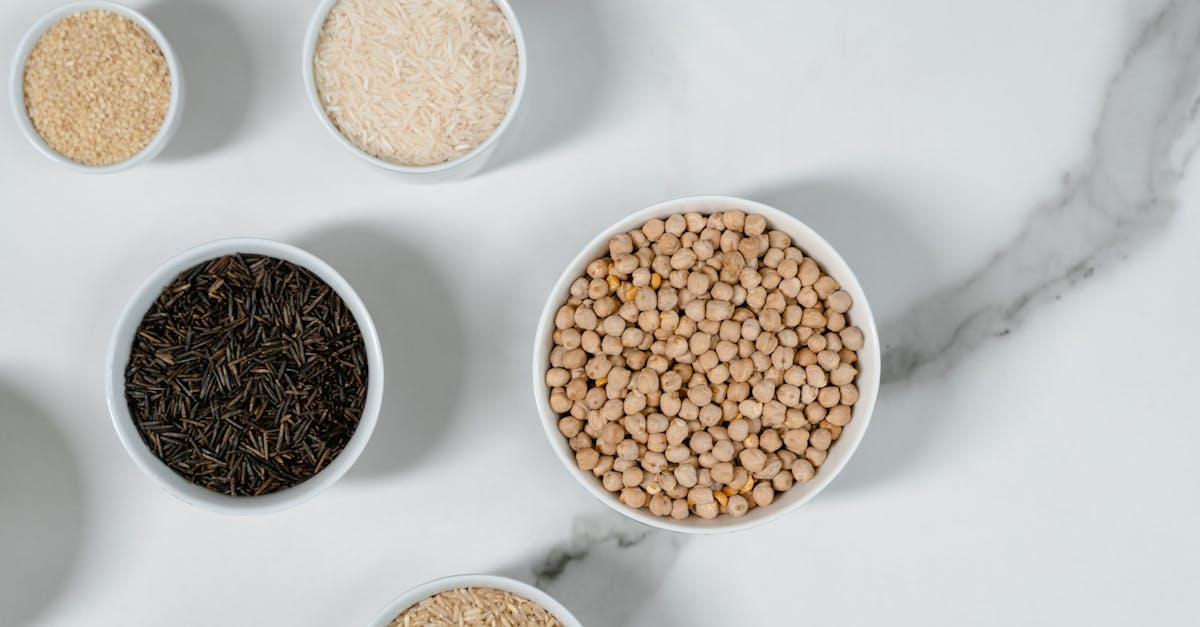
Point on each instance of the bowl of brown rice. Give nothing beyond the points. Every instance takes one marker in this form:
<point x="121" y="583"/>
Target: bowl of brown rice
<point x="424" y="89"/>
<point x="96" y="87"/>
<point x="472" y="600"/>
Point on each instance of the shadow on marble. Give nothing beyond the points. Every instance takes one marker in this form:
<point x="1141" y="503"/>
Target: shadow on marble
<point x="565" y="50"/>
<point x="218" y="74"/>
<point x="421" y="331"/>
<point x="607" y="570"/>
<point x="41" y="510"/>
<point x="889" y="255"/>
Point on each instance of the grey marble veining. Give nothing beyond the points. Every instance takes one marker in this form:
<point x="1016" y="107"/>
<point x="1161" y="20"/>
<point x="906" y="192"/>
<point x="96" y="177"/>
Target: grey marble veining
<point x="607" y="567"/>
<point x="1122" y="194"/>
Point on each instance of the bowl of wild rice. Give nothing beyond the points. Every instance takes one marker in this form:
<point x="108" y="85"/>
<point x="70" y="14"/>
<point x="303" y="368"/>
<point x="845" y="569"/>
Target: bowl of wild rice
<point x="244" y="376"/>
<point x="423" y="88"/>
<point x="96" y="87"/>
<point x="707" y="364"/>
<point x="474" y="601"/>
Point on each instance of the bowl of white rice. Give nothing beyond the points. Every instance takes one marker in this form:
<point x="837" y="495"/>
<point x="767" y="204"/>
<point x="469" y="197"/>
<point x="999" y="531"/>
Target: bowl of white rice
<point x="423" y="88"/>
<point x="475" y="600"/>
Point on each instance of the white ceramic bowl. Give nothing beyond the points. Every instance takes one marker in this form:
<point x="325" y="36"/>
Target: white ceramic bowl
<point x="17" y="86"/>
<point x="118" y="358"/>
<point x="430" y="588"/>
<point x="814" y="246"/>
<point x="459" y="168"/>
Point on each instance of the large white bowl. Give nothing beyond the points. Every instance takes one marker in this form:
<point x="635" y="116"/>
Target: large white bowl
<point x="859" y="315"/>
<point x="430" y="588"/>
<point x="463" y="166"/>
<point x="17" y="87"/>
<point x="118" y="358"/>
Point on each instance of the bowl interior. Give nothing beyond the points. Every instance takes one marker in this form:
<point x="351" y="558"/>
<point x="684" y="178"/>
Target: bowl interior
<point x="812" y="245"/>
<point x="17" y="86"/>
<point x="462" y="166"/>
<point x="118" y="358"/>
<point x="430" y="588"/>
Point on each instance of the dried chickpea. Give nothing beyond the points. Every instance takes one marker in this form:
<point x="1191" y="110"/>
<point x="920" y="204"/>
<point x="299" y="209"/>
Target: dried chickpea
<point x="704" y="350"/>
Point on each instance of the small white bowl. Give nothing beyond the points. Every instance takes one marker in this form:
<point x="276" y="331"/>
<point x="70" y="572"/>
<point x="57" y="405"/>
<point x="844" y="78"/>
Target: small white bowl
<point x="859" y="315"/>
<point x="118" y="358"/>
<point x="459" y="168"/>
<point x="17" y="87"/>
<point x="430" y="588"/>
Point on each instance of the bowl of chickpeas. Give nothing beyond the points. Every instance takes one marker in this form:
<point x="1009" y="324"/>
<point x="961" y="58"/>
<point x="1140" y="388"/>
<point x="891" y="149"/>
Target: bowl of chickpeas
<point x="706" y="364"/>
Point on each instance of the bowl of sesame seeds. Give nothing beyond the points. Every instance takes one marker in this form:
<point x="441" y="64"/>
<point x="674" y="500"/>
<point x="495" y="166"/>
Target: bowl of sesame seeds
<point x="96" y="87"/>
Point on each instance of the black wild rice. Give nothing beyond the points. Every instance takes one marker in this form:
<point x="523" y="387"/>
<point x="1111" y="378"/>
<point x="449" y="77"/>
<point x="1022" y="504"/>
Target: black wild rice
<point x="247" y="375"/>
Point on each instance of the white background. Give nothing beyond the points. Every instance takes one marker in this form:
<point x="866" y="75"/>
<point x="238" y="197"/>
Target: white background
<point x="1047" y="477"/>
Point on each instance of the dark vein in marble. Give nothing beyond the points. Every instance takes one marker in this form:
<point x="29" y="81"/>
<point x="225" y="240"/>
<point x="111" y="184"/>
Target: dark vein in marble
<point x="1122" y="196"/>
<point x="588" y="534"/>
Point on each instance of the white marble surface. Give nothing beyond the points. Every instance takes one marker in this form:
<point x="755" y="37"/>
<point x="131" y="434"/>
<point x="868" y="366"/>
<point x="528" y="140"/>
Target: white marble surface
<point x="1010" y="179"/>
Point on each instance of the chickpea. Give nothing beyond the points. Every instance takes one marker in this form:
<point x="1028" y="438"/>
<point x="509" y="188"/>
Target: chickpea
<point x="612" y="433"/>
<point x="737" y="506"/>
<point x="796" y="440"/>
<point x="815" y="455"/>
<point x="753" y="459"/>
<point x="770" y="441"/>
<point x="839" y="415"/>
<point x="763" y="494"/>
<point x="632" y="477"/>
<point x="660" y="505"/>
<point x="782" y="482"/>
<point x="829" y="397"/>
<point x="843" y="374"/>
<point x="852" y="338"/>
<point x="763" y="391"/>
<point x="707" y="511"/>
<point x="700" y="494"/>
<point x="686" y="475"/>
<point x="586" y="458"/>
<point x="677" y="453"/>
<point x="723" y="451"/>
<point x="627" y="449"/>
<point x="612" y="481"/>
<point x="569" y="426"/>
<point x="722" y="472"/>
<point x="803" y="470"/>
<point x="679" y="509"/>
<point x="633" y="497"/>
<point x="849" y="393"/>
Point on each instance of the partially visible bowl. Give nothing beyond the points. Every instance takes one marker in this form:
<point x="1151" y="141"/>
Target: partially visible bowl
<point x="118" y="358"/>
<point x="462" y="167"/>
<point x="813" y="245"/>
<point x="430" y="588"/>
<point x="17" y="86"/>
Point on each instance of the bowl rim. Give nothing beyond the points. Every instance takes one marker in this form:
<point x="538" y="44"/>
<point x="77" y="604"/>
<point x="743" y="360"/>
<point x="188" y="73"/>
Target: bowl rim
<point x="314" y="99"/>
<point x="813" y="245"/>
<point x="118" y="356"/>
<point x="17" y="86"/>
<point x="419" y="593"/>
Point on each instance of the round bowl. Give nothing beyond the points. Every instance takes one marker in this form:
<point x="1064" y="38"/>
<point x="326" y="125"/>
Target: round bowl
<point x="17" y="87"/>
<point x="430" y="588"/>
<point x="118" y="357"/>
<point x="859" y="314"/>
<point x="461" y="167"/>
